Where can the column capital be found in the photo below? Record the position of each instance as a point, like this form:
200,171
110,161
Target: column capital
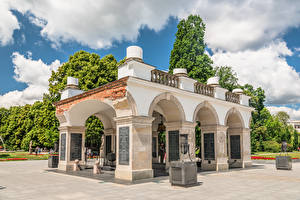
79,129
135,120
109,131
216,127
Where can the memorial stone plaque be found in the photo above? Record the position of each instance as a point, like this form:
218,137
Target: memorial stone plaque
63,146
235,147
124,145
154,152
76,146
209,146
108,144
173,145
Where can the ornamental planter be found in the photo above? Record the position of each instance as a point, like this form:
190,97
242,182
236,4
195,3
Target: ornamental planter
284,162
183,173
53,161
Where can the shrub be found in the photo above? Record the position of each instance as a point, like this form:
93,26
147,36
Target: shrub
272,146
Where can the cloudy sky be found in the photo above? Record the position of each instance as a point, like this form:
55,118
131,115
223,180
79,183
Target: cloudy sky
259,39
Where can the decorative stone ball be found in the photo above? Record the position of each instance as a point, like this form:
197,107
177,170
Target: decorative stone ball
213,81
76,161
181,71
238,91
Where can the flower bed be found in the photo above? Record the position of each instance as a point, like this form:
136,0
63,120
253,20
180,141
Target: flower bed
11,159
265,158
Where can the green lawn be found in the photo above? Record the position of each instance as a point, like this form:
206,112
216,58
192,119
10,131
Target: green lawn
22,154
294,154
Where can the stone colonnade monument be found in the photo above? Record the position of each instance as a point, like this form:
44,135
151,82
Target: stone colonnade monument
132,107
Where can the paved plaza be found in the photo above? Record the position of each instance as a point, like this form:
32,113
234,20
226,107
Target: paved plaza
31,180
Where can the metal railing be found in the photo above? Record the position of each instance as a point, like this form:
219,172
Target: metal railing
164,78
203,89
231,97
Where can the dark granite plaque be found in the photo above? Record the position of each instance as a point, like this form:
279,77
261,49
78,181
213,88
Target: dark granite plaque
108,144
154,152
124,145
209,146
76,146
63,146
235,147
173,145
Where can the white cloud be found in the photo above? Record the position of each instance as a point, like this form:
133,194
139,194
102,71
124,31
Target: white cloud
231,25
266,68
8,23
34,73
293,113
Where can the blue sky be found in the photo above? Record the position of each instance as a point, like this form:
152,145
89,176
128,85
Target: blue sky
260,41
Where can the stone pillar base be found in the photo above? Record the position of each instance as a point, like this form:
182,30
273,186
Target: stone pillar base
222,167
247,164
213,166
132,175
208,166
68,166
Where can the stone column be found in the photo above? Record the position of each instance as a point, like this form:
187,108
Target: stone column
189,129
184,128
171,126
134,134
112,133
245,150
220,160
69,142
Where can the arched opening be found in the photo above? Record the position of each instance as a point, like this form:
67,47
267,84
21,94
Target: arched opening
235,124
99,134
207,120
168,115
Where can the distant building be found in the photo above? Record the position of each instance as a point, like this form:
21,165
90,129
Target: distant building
295,124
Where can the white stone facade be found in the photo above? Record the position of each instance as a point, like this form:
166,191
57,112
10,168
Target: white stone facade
141,95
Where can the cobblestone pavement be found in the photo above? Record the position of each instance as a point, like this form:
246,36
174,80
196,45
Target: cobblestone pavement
30,180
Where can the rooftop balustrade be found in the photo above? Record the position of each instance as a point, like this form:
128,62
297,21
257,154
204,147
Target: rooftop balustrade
203,89
232,97
164,78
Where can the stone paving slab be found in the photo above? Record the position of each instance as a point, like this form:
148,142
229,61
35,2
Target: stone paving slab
31,180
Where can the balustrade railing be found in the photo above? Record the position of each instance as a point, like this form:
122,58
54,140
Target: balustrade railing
231,97
164,78
203,89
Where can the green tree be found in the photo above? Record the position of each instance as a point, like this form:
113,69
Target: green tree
189,49
91,71
283,117
227,77
94,132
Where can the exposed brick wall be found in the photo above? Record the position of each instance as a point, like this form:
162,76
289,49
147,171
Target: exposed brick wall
113,90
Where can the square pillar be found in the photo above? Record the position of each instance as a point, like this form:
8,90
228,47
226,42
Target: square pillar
134,147
71,146
109,132
217,159
184,128
244,160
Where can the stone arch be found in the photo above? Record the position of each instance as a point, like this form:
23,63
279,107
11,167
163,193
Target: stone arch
78,113
132,103
234,119
208,114
169,105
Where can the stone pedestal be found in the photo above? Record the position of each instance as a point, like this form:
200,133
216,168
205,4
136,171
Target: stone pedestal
220,160
71,146
134,148
245,149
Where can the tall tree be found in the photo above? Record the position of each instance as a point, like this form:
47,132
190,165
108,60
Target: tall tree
91,71
227,77
189,49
